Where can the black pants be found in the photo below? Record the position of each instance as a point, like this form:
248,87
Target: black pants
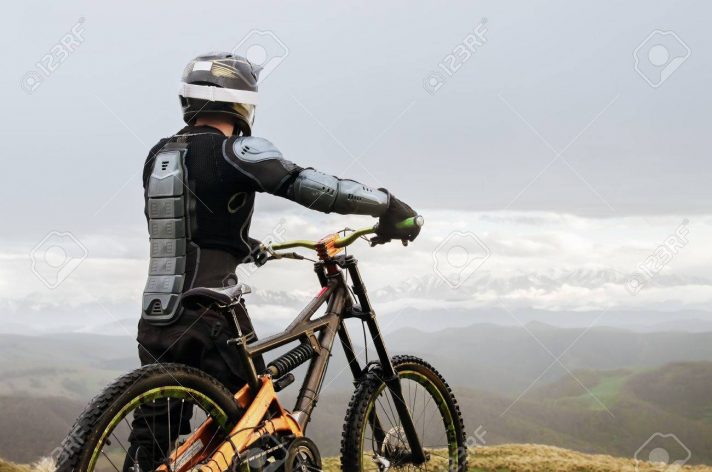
198,340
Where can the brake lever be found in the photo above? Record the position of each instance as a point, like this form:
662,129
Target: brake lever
285,255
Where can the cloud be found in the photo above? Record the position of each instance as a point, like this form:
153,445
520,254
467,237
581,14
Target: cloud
539,260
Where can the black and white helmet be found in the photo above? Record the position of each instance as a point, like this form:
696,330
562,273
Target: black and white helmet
220,83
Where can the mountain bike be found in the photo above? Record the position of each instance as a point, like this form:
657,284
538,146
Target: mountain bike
402,415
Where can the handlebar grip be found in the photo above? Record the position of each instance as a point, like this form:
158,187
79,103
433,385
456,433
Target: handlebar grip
412,222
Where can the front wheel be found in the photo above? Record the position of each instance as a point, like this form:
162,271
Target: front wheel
373,438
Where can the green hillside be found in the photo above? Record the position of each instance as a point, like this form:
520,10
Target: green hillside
499,359
72,366
682,388
37,425
47,380
620,410
560,414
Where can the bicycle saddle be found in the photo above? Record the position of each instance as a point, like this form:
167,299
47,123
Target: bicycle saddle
222,296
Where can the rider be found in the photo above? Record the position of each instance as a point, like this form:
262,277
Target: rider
199,189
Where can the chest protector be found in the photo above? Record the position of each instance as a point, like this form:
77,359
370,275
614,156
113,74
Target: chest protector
168,211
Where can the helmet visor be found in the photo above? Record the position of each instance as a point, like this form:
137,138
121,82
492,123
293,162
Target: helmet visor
245,110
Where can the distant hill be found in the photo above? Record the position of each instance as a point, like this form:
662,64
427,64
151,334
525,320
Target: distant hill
611,419
68,365
505,381
31,428
498,359
506,360
681,388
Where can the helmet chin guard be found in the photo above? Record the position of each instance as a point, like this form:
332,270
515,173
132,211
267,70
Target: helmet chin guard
220,83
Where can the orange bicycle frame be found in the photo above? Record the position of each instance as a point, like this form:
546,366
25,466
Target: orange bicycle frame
253,425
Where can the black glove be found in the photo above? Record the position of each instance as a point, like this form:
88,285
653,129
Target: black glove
397,211
257,254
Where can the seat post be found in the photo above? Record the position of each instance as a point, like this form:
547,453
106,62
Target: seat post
240,343
235,321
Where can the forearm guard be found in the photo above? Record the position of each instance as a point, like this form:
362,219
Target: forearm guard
326,193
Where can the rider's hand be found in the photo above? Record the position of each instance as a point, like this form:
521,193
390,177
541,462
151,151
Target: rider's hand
397,212
258,255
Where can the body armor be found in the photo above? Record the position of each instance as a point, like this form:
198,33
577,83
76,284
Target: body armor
169,229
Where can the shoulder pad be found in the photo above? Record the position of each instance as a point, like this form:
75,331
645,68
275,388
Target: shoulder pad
251,148
259,160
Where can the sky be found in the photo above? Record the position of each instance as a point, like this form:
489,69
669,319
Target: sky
559,141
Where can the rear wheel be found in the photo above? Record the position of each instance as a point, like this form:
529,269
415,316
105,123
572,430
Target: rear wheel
162,404
373,438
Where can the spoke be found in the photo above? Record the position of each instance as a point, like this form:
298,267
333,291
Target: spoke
119,441
128,424
390,406
425,406
422,438
153,422
110,461
207,446
433,414
168,448
385,412
415,397
153,436
424,409
180,422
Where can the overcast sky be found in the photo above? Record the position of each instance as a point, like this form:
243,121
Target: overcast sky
545,112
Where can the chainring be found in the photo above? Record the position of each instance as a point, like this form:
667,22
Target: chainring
302,456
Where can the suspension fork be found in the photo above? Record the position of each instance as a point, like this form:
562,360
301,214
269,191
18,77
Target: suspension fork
378,433
391,378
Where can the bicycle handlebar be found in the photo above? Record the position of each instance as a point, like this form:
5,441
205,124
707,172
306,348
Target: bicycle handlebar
412,222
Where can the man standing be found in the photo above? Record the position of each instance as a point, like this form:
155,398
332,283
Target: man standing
199,193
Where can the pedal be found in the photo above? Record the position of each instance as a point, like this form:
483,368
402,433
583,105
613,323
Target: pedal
283,382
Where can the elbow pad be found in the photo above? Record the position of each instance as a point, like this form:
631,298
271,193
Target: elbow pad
327,193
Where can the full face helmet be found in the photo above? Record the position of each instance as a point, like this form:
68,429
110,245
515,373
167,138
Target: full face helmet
222,83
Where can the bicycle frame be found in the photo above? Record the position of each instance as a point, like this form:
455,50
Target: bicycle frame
258,396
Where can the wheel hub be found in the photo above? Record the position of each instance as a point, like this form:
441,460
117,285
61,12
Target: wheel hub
395,446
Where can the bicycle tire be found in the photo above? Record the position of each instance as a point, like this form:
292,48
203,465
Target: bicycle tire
364,399
79,448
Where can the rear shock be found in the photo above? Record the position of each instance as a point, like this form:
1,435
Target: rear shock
290,361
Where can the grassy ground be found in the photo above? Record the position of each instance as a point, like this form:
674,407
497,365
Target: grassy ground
506,458
10,467
536,458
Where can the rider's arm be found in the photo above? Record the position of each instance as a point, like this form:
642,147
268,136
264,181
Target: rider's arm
262,162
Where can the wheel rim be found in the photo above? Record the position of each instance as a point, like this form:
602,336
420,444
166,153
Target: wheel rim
112,446
426,404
